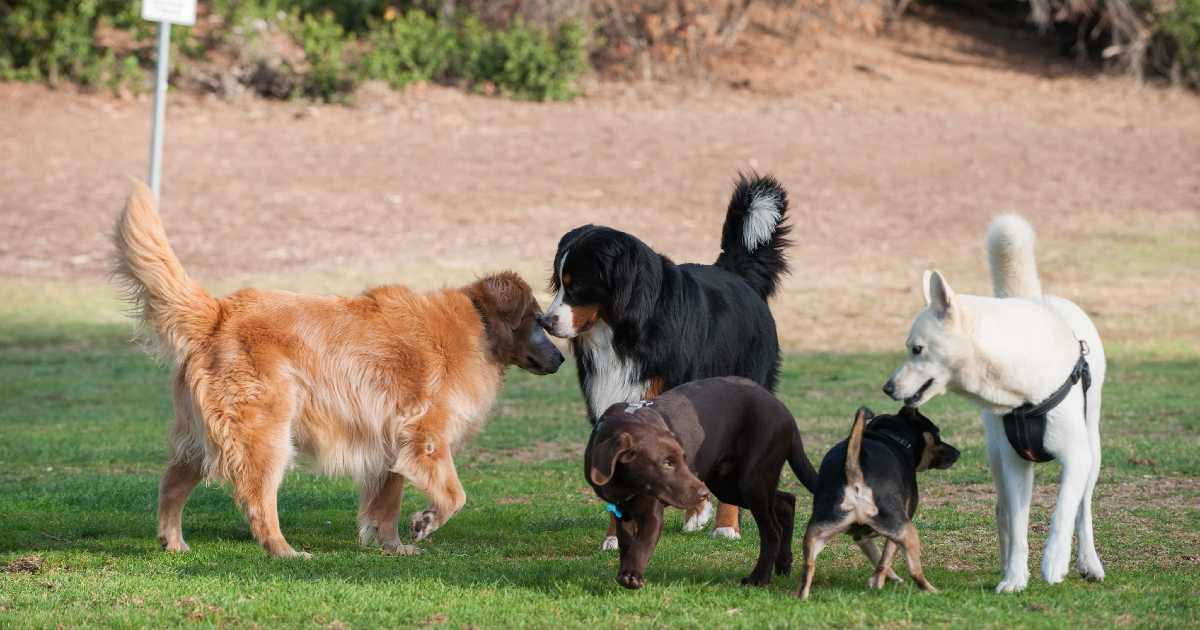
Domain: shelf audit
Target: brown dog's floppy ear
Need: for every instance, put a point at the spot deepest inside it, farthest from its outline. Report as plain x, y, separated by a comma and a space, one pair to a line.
605, 456
506, 296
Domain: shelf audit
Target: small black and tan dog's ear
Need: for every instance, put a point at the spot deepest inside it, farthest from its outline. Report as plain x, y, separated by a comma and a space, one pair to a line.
606, 454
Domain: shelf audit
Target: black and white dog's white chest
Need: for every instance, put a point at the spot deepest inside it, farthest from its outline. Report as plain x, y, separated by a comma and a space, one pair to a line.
608, 378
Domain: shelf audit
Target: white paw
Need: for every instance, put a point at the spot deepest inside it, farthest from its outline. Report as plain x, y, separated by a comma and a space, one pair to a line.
1056, 563
1054, 572
1013, 584
1091, 569
297, 555
610, 544
697, 521
727, 532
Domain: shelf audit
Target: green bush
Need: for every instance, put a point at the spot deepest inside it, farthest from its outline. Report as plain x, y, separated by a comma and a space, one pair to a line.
329, 76
414, 47
343, 43
1182, 25
53, 41
527, 62
522, 61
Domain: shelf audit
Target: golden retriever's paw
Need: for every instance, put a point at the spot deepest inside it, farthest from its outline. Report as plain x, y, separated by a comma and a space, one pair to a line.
424, 523
174, 545
400, 549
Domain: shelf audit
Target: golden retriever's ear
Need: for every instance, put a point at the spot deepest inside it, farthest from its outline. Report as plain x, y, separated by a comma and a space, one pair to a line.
605, 456
506, 297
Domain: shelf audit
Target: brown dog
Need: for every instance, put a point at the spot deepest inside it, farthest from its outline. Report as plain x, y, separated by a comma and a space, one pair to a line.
727, 435
383, 387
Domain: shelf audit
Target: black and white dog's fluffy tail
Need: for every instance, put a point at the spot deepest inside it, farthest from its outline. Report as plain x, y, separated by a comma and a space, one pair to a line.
754, 240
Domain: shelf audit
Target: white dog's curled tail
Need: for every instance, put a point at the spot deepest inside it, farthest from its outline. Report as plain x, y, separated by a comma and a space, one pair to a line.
1010, 247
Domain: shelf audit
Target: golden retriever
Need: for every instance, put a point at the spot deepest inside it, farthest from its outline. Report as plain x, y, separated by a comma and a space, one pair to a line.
383, 387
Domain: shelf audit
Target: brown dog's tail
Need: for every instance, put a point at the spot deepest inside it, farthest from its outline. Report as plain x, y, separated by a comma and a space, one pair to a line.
801, 465
854, 473
167, 299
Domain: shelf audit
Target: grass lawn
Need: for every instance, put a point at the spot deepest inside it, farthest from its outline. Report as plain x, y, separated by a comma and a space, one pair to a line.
82, 442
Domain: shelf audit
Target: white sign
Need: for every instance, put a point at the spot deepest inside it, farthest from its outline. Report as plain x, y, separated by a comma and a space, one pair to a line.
170, 11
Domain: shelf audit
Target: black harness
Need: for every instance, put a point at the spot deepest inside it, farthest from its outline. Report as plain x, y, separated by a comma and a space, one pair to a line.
1025, 426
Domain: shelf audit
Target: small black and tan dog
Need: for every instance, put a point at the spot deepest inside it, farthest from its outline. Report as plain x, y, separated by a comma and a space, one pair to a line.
867, 487
727, 435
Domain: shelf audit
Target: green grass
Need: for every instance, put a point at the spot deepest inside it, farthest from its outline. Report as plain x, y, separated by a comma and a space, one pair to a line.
82, 441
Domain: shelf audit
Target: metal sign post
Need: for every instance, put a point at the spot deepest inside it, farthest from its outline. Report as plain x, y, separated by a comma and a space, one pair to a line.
166, 13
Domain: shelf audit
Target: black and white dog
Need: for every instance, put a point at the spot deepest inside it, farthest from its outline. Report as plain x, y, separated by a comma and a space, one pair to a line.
639, 324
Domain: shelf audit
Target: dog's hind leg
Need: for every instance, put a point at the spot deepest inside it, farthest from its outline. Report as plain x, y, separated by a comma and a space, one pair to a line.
1013, 477
1088, 561
378, 512
872, 553
815, 539
883, 563
1067, 440
265, 436
911, 543
763, 511
785, 516
184, 471
177, 483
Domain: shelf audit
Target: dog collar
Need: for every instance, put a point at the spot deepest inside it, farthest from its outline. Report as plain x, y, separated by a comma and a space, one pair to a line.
612, 508
1025, 426
888, 436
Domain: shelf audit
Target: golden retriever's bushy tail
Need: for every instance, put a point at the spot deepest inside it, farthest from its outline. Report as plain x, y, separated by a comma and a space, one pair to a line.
178, 309
1010, 248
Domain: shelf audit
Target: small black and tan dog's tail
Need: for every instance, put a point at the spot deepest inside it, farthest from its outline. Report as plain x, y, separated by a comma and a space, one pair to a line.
854, 473
177, 308
801, 465
754, 240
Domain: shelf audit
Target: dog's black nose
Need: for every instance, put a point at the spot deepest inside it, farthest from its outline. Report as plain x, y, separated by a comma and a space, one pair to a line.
547, 322
889, 388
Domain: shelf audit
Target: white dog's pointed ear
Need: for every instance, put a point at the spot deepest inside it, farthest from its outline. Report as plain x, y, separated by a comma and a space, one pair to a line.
925, 285
938, 294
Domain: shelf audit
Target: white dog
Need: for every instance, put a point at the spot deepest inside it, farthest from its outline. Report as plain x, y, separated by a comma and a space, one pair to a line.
1017, 348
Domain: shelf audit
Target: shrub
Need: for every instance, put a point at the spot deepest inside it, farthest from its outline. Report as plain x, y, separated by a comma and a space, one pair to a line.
1182, 26
328, 75
53, 41
414, 47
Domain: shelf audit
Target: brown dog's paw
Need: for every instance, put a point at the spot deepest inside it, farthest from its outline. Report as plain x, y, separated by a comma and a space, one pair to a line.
423, 524
631, 581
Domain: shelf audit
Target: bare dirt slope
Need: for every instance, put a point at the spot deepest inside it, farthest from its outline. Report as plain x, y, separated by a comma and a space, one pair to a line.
896, 152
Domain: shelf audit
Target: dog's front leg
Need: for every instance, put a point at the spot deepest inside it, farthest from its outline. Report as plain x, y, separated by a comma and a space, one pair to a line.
1067, 440
1013, 478
378, 512
637, 534
426, 461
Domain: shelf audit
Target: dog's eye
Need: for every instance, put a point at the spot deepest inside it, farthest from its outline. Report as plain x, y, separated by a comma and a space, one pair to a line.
916, 350
668, 463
